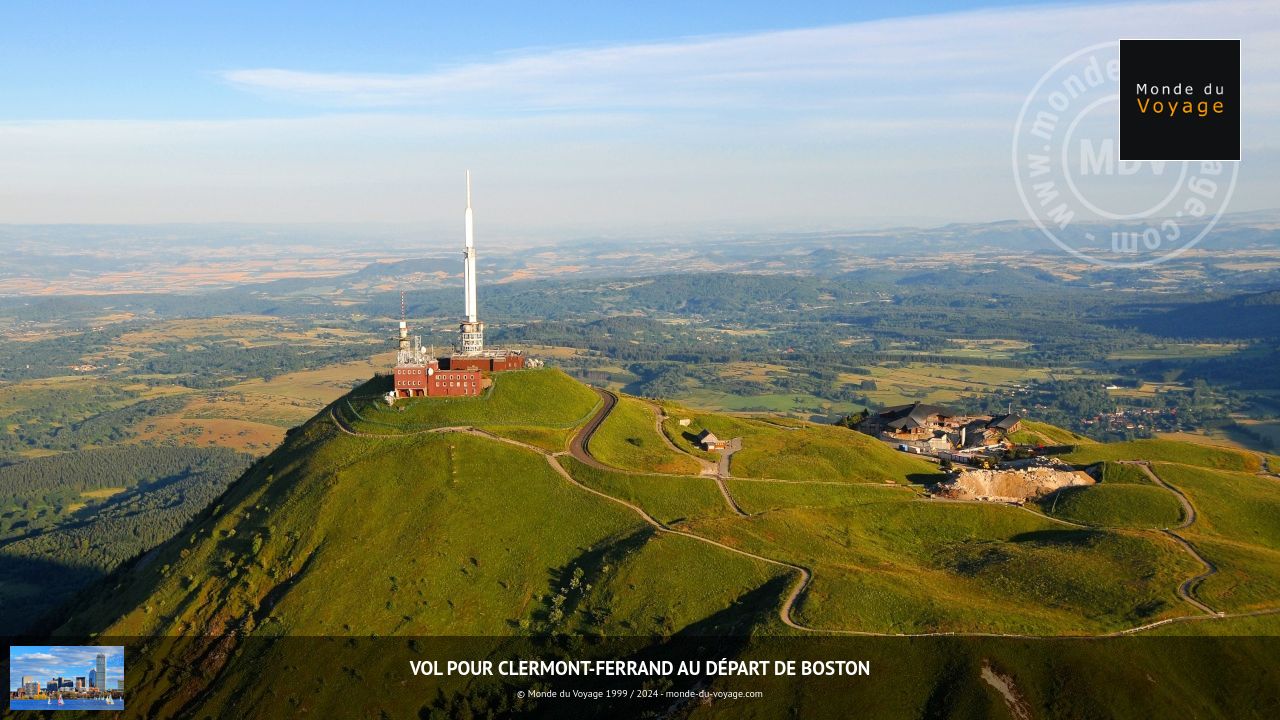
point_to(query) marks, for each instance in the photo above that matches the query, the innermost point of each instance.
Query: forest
(68, 519)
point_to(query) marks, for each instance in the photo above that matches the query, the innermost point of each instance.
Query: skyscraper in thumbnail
(102, 671)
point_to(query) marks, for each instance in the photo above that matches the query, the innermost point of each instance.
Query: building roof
(1004, 422)
(706, 436)
(907, 417)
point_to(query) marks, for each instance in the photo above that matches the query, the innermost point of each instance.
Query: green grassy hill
(367, 524)
(1169, 451)
(1038, 433)
(319, 521)
(1118, 505)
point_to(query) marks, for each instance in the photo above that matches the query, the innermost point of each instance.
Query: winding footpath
(579, 449)
(1188, 586)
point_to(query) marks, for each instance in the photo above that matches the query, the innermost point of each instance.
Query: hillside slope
(467, 518)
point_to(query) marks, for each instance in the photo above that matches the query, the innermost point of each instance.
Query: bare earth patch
(1012, 486)
(1003, 684)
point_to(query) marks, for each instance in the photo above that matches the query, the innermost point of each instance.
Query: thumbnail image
(66, 677)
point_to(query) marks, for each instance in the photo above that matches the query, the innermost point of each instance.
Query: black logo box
(1205, 73)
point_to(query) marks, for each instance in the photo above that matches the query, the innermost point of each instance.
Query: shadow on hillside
(1074, 538)
(926, 478)
(36, 589)
(746, 613)
(569, 582)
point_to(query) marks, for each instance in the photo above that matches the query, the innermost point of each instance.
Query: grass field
(1233, 506)
(899, 383)
(1236, 627)
(438, 571)
(1179, 351)
(668, 499)
(1248, 576)
(986, 348)
(244, 435)
(1115, 505)
(1166, 451)
(1115, 473)
(1038, 433)
(978, 566)
(317, 387)
(628, 439)
(756, 496)
(767, 402)
(549, 439)
(339, 535)
(804, 452)
(102, 493)
(1147, 390)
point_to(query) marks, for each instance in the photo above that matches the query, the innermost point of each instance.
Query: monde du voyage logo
(1125, 152)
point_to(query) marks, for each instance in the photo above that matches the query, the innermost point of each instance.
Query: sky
(69, 661)
(574, 118)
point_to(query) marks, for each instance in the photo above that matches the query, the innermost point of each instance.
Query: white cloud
(961, 55)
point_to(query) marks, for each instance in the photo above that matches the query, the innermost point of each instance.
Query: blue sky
(68, 661)
(136, 60)
(575, 118)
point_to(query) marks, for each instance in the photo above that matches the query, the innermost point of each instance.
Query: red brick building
(428, 380)
(490, 361)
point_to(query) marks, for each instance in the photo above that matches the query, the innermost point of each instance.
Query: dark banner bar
(428, 677)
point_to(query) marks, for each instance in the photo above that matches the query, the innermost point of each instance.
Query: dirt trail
(1189, 585)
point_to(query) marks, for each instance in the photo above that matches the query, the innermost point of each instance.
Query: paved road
(578, 445)
(803, 574)
(731, 447)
